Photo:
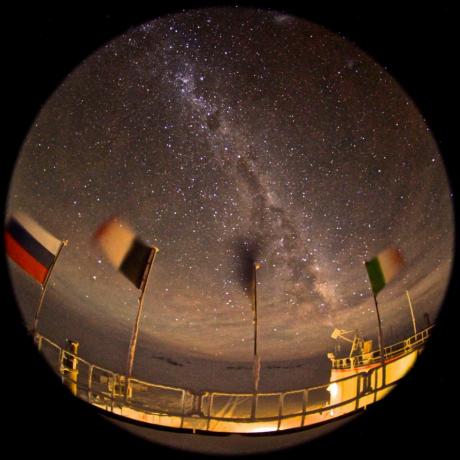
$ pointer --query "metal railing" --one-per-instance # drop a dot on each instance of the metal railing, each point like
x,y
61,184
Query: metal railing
x,y
210,410
392,351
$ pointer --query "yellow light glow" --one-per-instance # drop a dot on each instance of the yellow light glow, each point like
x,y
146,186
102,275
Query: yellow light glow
x,y
333,389
263,429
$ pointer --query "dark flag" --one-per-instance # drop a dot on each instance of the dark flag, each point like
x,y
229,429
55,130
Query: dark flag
x,y
125,250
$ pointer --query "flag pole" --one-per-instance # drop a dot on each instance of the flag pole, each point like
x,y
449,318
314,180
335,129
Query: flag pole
x,y
382,269
135,332
380,328
44,287
411,312
382,357
256,362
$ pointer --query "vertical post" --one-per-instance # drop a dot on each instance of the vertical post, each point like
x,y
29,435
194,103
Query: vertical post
x,y
280,410
39,342
90,382
112,398
358,389
210,411
375,374
182,407
256,362
69,366
411,308
304,405
44,287
140,303
382,357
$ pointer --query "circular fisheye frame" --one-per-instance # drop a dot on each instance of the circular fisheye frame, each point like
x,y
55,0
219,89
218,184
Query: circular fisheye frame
x,y
229,221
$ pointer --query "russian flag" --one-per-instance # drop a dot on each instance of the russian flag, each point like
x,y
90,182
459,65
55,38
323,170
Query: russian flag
x,y
125,251
32,247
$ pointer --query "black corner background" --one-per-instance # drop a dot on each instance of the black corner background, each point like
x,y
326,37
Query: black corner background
x,y
40,46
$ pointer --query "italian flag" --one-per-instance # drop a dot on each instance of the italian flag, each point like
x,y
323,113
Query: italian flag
x,y
383,268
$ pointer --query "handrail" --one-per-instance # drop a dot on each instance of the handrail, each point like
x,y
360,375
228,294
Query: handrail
x,y
216,411
389,352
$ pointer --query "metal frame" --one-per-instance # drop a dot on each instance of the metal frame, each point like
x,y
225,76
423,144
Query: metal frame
x,y
391,351
212,418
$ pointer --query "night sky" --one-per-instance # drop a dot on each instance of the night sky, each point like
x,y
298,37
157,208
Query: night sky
x,y
220,132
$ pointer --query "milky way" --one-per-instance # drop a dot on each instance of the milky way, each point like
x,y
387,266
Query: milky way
x,y
218,132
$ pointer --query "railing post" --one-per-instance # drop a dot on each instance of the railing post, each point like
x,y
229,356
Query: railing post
x,y
280,410
90,381
383,376
358,387
304,405
210,404
255,397
61,357
182,409
69,366
113,390
129,387
39,340
376,385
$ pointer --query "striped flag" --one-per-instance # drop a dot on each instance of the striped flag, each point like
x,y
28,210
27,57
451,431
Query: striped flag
x,y
383,268
32,247
125,251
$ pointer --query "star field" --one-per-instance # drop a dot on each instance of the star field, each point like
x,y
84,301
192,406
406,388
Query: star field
x,y
217,131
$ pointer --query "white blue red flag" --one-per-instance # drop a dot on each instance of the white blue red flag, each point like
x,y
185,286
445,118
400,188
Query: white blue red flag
x,y
32,247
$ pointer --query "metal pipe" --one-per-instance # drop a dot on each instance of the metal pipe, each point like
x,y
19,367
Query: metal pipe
x,y
411,308
382,356
182,409
90,382
256,360
135,333
44,287
358,387
280,411
304,405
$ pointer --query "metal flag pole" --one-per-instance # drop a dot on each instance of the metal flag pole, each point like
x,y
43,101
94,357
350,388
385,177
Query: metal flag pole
x,y
382,357
256,363
44,287
135,333
411,308
382,269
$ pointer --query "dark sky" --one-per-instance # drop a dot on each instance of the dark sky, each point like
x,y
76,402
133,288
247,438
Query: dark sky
x,y
217,130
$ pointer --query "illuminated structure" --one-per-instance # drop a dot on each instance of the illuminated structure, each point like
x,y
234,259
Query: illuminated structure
x,y
356,381
376,379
